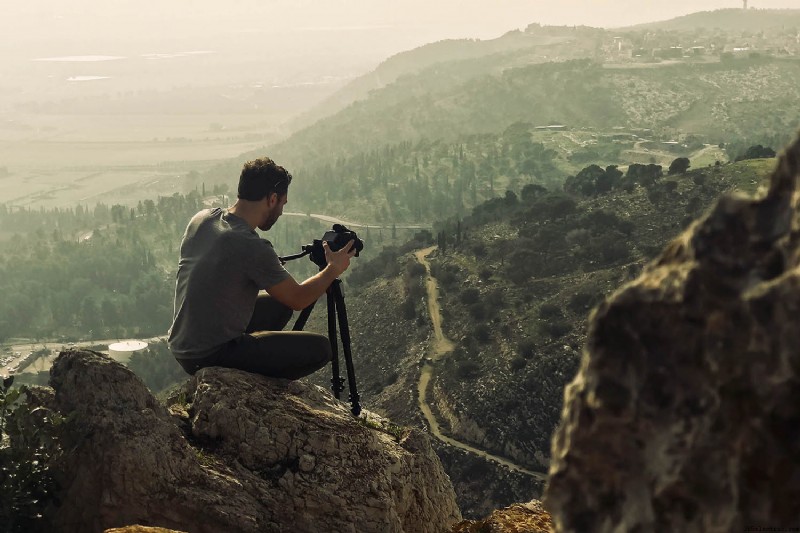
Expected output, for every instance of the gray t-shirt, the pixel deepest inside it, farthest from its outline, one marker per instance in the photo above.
(223, 265)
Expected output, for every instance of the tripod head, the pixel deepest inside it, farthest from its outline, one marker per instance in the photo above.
(337, 238)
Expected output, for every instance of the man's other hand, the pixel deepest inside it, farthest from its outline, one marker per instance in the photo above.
(340, 259)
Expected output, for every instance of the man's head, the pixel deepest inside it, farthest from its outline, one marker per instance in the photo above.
(262, 177)
(266, 185)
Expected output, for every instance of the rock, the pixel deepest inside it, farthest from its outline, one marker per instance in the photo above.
(530, 517)
(257, 455)
(141, 529)
(685, 414)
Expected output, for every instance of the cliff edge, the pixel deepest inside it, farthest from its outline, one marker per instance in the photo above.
(235, 452)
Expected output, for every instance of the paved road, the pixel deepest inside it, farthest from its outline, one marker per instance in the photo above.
(334, 220)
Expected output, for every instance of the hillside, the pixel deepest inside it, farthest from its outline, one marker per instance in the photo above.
(517, 280)
(410, 153)
(463, 59)
(752, 20)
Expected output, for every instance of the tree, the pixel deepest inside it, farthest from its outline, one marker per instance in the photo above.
(756, 152)
(679, 166)
(532, 191)
(585, 181)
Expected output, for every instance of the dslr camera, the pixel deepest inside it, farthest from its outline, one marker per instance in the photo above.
(337, 238)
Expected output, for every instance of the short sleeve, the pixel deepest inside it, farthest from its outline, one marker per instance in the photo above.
(265, 268)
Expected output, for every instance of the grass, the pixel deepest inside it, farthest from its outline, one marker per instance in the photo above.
(384, 426)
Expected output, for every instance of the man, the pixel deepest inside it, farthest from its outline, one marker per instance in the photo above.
(220, 319)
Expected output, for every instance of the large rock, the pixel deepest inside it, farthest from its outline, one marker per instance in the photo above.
(239, 452)
(528, 517)
(685, 414)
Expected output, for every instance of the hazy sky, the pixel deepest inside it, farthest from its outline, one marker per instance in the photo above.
(52, 19)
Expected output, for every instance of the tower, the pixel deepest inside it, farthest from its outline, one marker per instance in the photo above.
(744, 5)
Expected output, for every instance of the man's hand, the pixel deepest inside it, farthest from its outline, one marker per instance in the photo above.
(300, 295)
(340, 259)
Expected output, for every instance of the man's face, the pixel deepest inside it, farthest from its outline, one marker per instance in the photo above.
(274, 210)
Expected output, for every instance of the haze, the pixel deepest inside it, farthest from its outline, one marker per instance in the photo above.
(118, 89)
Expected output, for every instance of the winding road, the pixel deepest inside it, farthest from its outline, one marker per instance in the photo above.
(334, 220)
(441, 348)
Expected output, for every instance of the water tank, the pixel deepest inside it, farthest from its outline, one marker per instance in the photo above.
(122, 351)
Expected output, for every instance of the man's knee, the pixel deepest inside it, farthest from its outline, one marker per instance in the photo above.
(321, 348)
(284, 315)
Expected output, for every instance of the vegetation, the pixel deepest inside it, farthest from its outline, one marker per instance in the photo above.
(29, 441)
(107, 272)
(157, 367)
(519, 276)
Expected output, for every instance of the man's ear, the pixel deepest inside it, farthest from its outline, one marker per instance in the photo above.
(272, 199)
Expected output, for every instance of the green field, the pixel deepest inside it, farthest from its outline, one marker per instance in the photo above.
(64, 160)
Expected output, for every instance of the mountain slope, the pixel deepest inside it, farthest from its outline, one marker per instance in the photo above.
(466, 58)
(517, 280)
(751, 20)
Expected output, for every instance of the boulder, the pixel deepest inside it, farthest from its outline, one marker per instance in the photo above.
(236, 452)
(685, 413)
(528, 517)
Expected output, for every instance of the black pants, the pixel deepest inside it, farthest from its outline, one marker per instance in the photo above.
(265, 349)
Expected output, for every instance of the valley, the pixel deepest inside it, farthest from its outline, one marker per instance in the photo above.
(440, 348)
(504, 190)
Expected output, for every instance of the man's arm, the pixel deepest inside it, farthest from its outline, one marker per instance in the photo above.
(298, 296)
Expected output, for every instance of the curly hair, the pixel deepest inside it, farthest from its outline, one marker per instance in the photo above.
(261, 177)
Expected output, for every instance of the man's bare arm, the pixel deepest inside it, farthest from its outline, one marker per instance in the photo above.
(298, 296)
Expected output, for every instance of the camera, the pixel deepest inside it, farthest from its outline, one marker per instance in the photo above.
(337, 238)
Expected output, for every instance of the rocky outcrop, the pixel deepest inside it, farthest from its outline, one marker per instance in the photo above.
(236, 452)
(685, 414)
(518, 518)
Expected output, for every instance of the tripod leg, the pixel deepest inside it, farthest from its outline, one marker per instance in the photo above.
(344, 328)
(337, 383)
(303, 318)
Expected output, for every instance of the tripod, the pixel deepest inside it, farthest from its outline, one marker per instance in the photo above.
(336, 309)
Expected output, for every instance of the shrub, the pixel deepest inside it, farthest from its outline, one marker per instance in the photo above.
(29, 442)
(526, 348)
(582, 301)
(557, 328)
(416, 270)
(468, 369)
(547, 311)
(756, 152)
(470, 296)
(483, 333)
(477, 311)
(408, 309)
(679, 166)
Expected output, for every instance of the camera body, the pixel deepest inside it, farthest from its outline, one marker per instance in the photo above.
(337, 238)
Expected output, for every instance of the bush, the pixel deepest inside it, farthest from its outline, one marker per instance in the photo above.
(547, 311)
(679, 166)
(583, 301)
(483, 333)
(477, 311)
(756, 152)
(470, 296)
(526, 348)
(29, 442)
(517, 364)
(557, 329)
(416, 270)
(468, 369)
(408, 309)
